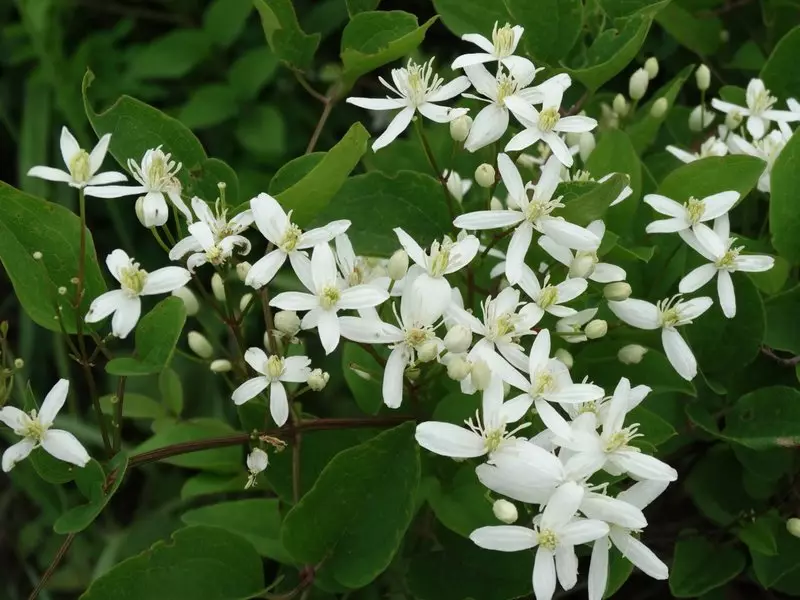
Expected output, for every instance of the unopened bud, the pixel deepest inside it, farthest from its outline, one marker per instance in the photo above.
(793, 526)
(287, 322)
(458, 339)
(242, 269)
(565, 357)
(505, 511)
(37, 255)
(221, 365)
(458, 368)
(398, 265)
(428, 351)
(733, 119)
(631, 354)
(481, 374)
(637, 85)
(495, 204)
(700, 118)
(595, 329)
(651, 66)
(459, 127)
(620, 105)
(659, 108)
(484, 175)
(62, 291)
(582, 265)
(218, 287)
(18, 363)
(189, 300)
(200, 345)
(586, 145)
(703, 78)
(572, 138)
(617, 291)
(138, 208)
(317, 380)
(244, 302)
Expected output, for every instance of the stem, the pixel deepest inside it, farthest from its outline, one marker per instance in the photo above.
(62, 551)
(326, 111)
(494, 241)
(307, 87)
(436, 172)
(81, 253)
(298, 439)
(159, 240)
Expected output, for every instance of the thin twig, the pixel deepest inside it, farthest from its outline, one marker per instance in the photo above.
(53, 566)
(307, 87)
(786, 362)
(326, 111)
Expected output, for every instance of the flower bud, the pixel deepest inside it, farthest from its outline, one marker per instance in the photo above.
(596, 328)
(586, 145)
(651, 66)
(620, 105)
(218, 287)
(659, 108)
(458, 339)
(242, 269)
(700, 118)
(481, 374)
(244, 302)
(793, 526)
(428, 351)
(221, 365)
(62, 291)
(505, 511)
(138, 208)
(703, 78)
(398, 265)
(18, 363)
(459, 127)
(257, 462)
(495, 204)
(565, 357)
(582, 265)
(733, 119)
(617, 291)
(458, 368)
(637, 85)
(189, 300)
(572, 138)
(200, 345)
(317, 380)
(631, 354)
(287, 322)
(37, 255)
(484, 175)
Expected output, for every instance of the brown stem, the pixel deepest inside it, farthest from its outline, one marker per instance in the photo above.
(53, 566)
(326, 112)
(786, 362)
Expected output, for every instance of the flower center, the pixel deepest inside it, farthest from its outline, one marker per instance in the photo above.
(33, 428)
(620, 439)
(728, 260)
(587, 407)
(763, 101)
(506, 86)
(492, 439)
(291, 236)
(416, 336)
(274, 368)
(695, 208)
(670, 312)
(548, 296)
(132, 279)
(214, 254)
(417, 82)
(548, 539)
(503, 325)
(548, 119)
(329, 297)
(79, 167)
(440, 258)
(537, 209)
(543, 382)
(503, 40)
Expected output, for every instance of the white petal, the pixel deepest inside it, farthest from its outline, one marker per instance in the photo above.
(612, 510)
(480, 41)
(727, 296)
(249, 390)
(106, 178)
(754, 263)
(462, 253)
(17, 453)
(598, 569)
(53, 402)
(576, 393)
(65, 446)
(638, 313)
(362, 296)
(582, 531)
(644, 466)
(396, 127)
(640, 555)
(642, 493)
(505, 538)
(483, 81)
(517, 481)
(114, 191)
(265, 268)
(433, 296)
(116, 261)
(607, 273)
(569, 289)
(544, 574)
(377, 103)
(667, 225)
(98, 154)
(467, 60)
(489, 126)
(666, 206)
(301, 265)
(568, 234)
(559, 148)
(328, 330)
(510, 176)
(369, 331)
(104, 305)
(540, 352)
(203, 234)
(278, 403)
(154, 209)
(14, 418)
(323, 267)
(392, 386)
(517, 249)
(679, 354)
(561, 253)
(694, 307)
(257, 359)
(697, 278)
(164, 280)
(69, 146)
(451, 440)
(566, 566)
(296, 369)
(50, 174)
(756, 126)
(717, 205)
(126, 316)
(575, 124)
(415, 252)
(450, 89)
(184, 247)
(436, 112)
(271, 220)
(488, 219)
(562, 506)
(295, 301)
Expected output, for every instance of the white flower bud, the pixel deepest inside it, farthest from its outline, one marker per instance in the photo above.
(565, 357)
(458, 339)
(287, 322)
(244, 302)
(221, 365)
(582, 265)
(596, 328)
(189, 300)
(703, 78)
(218, 287)
(62, 291)
(398, 265)
(257, 462)
(631, 354)
(586, 145)
(37, 255)
(317, 380)
(617, 291)
(733, 119)
(138, 208)
(505, 511)
(242, 269)
(459, 127)
(200, 345)
(428, 351)
(496, 204)
(659, 108)
(651, 66)
(481, 374)
(793, 526)
(637, 86)
(18, 363)
(700, 118)
(484, 175)
(458, 368)
(620, 105)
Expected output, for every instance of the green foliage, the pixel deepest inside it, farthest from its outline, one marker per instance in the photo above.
(701, 35)
(712, 175)
(783, 217)
(766, 418)
(693, 574)
(779, 74)
(220, 460)
(593, 204)
(553, 43)
(284, 35)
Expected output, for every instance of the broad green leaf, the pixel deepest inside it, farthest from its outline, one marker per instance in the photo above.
(715, 487)
(28, 225)
(748, 57)
(456, 408)
(770, 569)
(293, 171)
(655, 430)
(701, 35)
(224, 20)
(134, 406)
(611, 52)
(208, 106)
(171, 56)
(50, 469)
(784, 218)
(552, 43)
(256, 520)
(593, 204)
(373, 39)
(284, 35)
(626, 8)
(376, 204)
(252, 71)
(98, 492)
(171, 390)
(461, 504)
(693, 574)
(783, 326)
(772, 281)
(156, 336)
(212, 483)
(619, 569)
(711, 175)
(312, 194)
(766, 418)
(262, 131)
(202, 563)
(471, 16)
(760, 535)
(780, 72)
(364, 377)
(377, 481)
(358, 6)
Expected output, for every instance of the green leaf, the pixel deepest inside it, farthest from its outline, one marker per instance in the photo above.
(770, 569)
(766, 418)
(552, 43)
(461, 505)
(284, 35)
(51, 469)
(358, 6)
(626, 8)
(471, 16)
(29, 224)
(211, 483)
(98, 489)
(257, 520)
(156, 337)
(368, 393)
(772, 281)
(224, 20)
(593, 204)
(377, 481)
(611, 52)
(783, 326)
(760, 535)
(293, 171)
(208, 106)
(784, 218)
(656, 430)
(748, 57)
(134, 406)
(376, 203)
(171, 390)
(251, 72)
(700, 35)
(170, 56)
(619, 569)
(263, 131)
(715, 487)
(373, 39)
(780, 73)
(312, 194)
(711, 175)
(202, 563)
(693, 574)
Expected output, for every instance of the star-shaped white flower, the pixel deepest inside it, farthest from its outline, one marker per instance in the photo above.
(457, 186)
(685, 216)
(767, 149)
(713, 146)
(584, 263)
(759, 111)
(501, 48)
(549, 298)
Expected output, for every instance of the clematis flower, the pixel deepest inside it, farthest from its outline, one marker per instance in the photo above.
(713, 146)
(125, 303)
(257, 462)
(156, 176)
(759, 111)
(419, 89)
(273, 372)
(684, 216)
(356, 270)
(457, 186)
(36, 430)
(504, 43)
(549, 299)
(767, 149)
(584, 263)
(82, 166)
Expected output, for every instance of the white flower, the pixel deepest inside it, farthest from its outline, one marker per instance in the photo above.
(759, 110)
(82, 166)
(717, 247)
(356, 270)
(457, 186)
(327, 297)
(713, 146)
(531, 214)
(501, 49)
(35, 430)
(156, 176)
(555, 538)
(274, 371)
(289, 240)
(584, 263)
(125, 303)
(257, 462)
(419, 89)
(685, 216)
(550, 297)
(767, 149)
(570, 328)
(666, 315)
